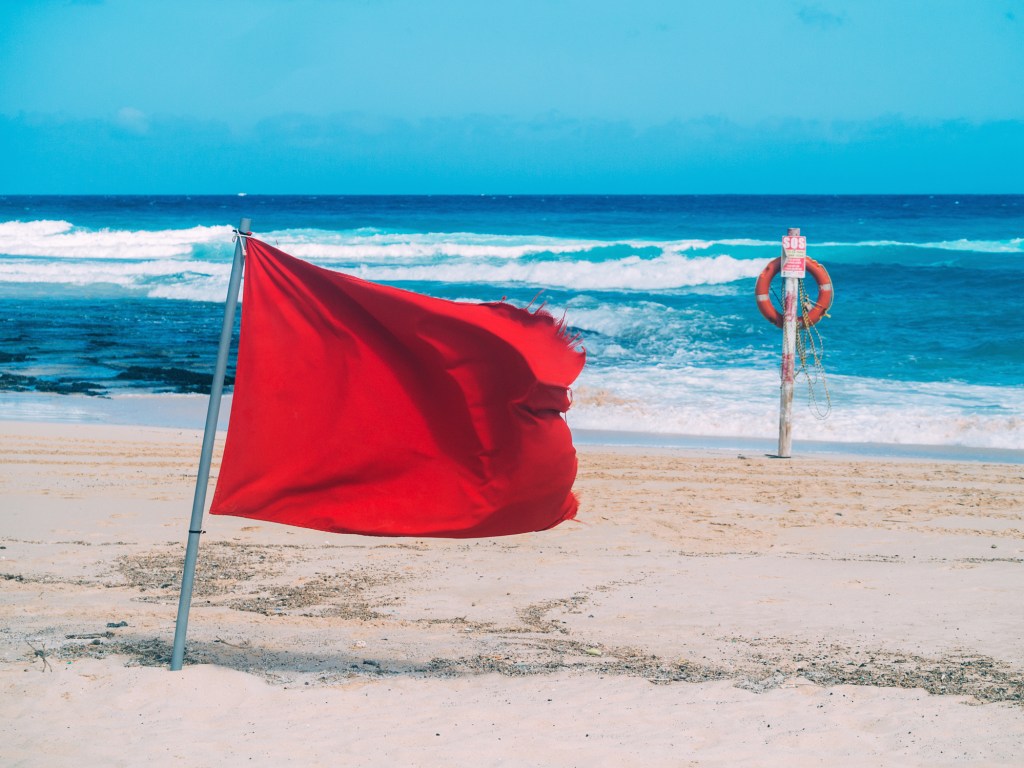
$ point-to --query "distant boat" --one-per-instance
(242, 194)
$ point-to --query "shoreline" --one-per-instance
(727, 608)
(183, 411)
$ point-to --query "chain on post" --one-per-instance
(808, 339)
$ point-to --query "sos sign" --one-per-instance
(794, 243)
(794, 256)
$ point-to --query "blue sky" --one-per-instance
(520, 96)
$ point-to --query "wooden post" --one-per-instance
(793, 261)
(788, 353)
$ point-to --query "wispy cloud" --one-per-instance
(132, 119)
(821, 17)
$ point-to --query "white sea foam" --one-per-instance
(1013, 245)
(129, 274)
(191, 264)
(364, 245)
(641, 318)
(668, 271)
(743, 402)
(61, 239)
(375, 246)
(439, 258)
(368, 245)
(198, 288)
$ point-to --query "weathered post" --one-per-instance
(794, 265)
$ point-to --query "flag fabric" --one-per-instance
(362, 408)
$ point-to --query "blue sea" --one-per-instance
(110, 307)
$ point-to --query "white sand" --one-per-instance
(705, 610)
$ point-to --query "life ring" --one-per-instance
(820, 307)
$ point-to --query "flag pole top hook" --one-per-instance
(243, 232)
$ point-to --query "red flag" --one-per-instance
(360, 408)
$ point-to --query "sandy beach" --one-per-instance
(706, 608)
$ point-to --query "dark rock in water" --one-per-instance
(13, 382)
(67, 387)
(179, 380)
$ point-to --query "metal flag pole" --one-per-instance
(205, 457)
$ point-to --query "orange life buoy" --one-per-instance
(819, 307)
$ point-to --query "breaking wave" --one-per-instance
(744, 402)
(59, 239)
(62, 240)
(633, 273)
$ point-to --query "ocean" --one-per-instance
(110, 307)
